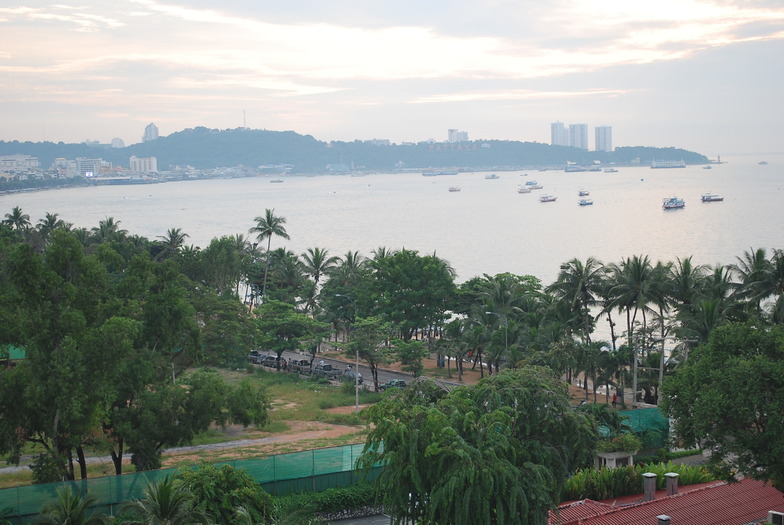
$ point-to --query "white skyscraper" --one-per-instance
(455, 135)
(578, 136)
(150, 132)
(558, 134)
(603, 138)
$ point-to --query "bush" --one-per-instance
(335, 499)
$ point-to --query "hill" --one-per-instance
(204, 148)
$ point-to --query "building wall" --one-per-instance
(578, 136)
(603, 138)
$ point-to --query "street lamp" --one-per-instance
(506, 330)
(356, 349)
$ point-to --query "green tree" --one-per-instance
(166, 501)
(17, 219)
(498, 452)
(268, 226)
(579, 284)
(728, 398)
(221, 490)
(317, 262)
(70, 508)
(368, 340)
(281, 327)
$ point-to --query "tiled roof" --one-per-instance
(718, 504)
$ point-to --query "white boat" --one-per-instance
(711, 197)
(610, 170)
(531, 183)
(583, 193)
(673, 203)
(524, 189)
(492, 176)
(547, 198)
(454, 189)
(665, 164)
(276, 181)
(585, 202)
(438, 173)
(707, 167)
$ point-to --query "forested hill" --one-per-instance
(204, 148)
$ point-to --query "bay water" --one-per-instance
(486, 227)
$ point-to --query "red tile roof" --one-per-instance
(715, 504)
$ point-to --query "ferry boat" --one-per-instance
(439, 172)
(547, 198)
(585, 202)
(454, 189)
(664, 164)
(673, 203)
(711, 197)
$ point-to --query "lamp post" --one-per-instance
(356, 349)
(506, 330)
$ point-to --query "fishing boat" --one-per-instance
(711, 197)
(524, 189)
(583, 193)
(454, 189)
(610, 170)
(492, 176)
(585, 202)
(673, 203)
(547, 198)
(276, 181)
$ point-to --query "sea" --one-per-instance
(485, 228)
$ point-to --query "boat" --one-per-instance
(454, 189)
(583, 193)
(531, 183)
(524, 189)
(763, 163)
(439, 172)
(711, 197)
(585, 202)
(547, 198)
(610, 170)
(665, 164)
(276, 181)
(707, 167)
(492, 176)
(673, 203)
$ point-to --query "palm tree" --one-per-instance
(166, 502)
(750, 270)
(17, 220)
(173, 240)
(49, 223)
(580, 283)
(70, 508)
(108, 230)
(317, 262)
(266, 227)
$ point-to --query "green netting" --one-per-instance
(308, 471)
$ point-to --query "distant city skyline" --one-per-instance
(698, 74)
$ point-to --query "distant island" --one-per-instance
(203, 148)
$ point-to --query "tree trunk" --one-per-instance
(82, 462)
(117, 457)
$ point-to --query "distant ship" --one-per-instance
(439, 172)
(673, 203)
(763, 162)
(660, 164)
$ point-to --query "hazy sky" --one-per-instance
(699, 74)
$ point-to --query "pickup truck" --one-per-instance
(394, 383)
(300, 366)
(327, 371)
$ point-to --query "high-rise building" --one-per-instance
(578, 136)
(603, 138)
(558, 134)
(144, 164)
(455, 135)
(150, 132)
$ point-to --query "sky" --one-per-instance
(704, 75)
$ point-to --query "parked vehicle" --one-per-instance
(273, 361)
(300, 366)
(256, 357)
(325, 370)
(350, 376)
(394, 383)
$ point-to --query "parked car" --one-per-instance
(272, 361)
(350, 376)
(393, 383)
(300, 366)
(256, 357)
(325, 370)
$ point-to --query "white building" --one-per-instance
(85, 167)
(455, 135)
(10, 163)
(558, 134)
(603, 138)
(578, 136)
(150, 132)
(144, 164)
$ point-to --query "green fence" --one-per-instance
(308, 471)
